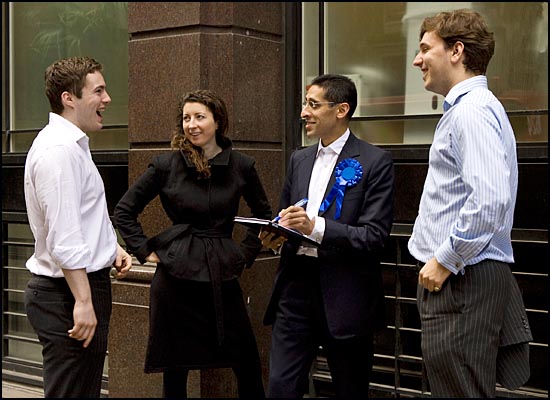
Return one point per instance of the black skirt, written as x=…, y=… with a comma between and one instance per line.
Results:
x=182, y=326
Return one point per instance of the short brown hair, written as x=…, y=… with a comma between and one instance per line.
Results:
x=468, y=27
x=68, y=75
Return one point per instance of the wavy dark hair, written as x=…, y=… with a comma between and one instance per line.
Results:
x=466, y=26
x=218, y=109
x=68, y=75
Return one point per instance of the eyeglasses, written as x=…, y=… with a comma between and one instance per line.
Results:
x=316, y=104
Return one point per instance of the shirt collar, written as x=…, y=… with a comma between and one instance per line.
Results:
x=71, y=131
x=460, y=89
x=335, y=146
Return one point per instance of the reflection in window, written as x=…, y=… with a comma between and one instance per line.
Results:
x=374, y=43
x=44, y=32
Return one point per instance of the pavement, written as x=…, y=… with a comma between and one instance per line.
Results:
x=14, y=390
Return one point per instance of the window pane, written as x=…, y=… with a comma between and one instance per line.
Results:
x=107, y=138
x=4, y=141
x=374, y=43
x=18, y=277
x=310, y=38
x=20, y=233
x=366, y=42
x=45, y=32
x=20, y=142
x=18, y=255
x=24, y=350
x=19, y=325
x=18, y=252
x=16, y=300
x=4, y=122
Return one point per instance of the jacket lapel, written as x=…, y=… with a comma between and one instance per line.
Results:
x=350, y=150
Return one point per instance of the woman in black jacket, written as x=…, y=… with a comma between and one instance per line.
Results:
x=197, y=314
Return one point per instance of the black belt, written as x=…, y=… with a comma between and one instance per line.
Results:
x=61, y=283
x=215, y=277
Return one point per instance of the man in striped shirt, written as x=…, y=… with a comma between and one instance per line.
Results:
x=474, y=325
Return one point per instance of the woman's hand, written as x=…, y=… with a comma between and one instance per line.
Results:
x=271, y=240
x=152, y=258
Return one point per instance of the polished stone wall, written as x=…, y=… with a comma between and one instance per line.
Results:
x=235, y=49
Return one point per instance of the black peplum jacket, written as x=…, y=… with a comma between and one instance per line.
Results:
x=199, y=245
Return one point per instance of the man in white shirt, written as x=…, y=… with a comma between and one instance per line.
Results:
x=68, y=298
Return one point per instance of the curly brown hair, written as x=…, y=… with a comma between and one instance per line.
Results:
x=218, y=109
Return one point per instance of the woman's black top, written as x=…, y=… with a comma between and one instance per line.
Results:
x=199, y=245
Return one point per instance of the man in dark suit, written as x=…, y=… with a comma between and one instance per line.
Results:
x=330, y=295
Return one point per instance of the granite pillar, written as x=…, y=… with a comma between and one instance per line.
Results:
x=236, y=50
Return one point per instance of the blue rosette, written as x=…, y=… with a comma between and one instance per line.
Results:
x=347, y=173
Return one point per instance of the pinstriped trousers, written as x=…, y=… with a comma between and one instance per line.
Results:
x=70, y=370
x=475, y=332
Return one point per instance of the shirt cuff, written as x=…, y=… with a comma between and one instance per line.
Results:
x=318, y=229
x=446, y=256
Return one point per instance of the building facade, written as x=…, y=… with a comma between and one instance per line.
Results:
x=259, y=57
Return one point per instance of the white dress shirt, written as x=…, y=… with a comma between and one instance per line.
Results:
x=323, y=168
x=66, y=204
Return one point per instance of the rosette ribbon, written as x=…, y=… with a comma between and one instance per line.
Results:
x=347, y=173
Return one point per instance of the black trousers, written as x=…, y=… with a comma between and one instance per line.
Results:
x=299, y=329
x=249, y=383
x=70, y=370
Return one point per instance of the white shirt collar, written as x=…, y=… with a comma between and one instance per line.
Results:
x=71, y=131
x=335, y=146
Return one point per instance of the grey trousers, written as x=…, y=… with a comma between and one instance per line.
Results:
x=475, y=332
x=70, y=370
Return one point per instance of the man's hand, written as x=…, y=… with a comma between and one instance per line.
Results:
x=296, y=218
x=85, y=322
x=152, y=258
x=433, y=275
x=84, y=318
x=123, y=262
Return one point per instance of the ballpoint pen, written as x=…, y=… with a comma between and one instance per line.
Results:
x=299, y=203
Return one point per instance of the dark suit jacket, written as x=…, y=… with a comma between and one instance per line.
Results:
x=349, y=262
